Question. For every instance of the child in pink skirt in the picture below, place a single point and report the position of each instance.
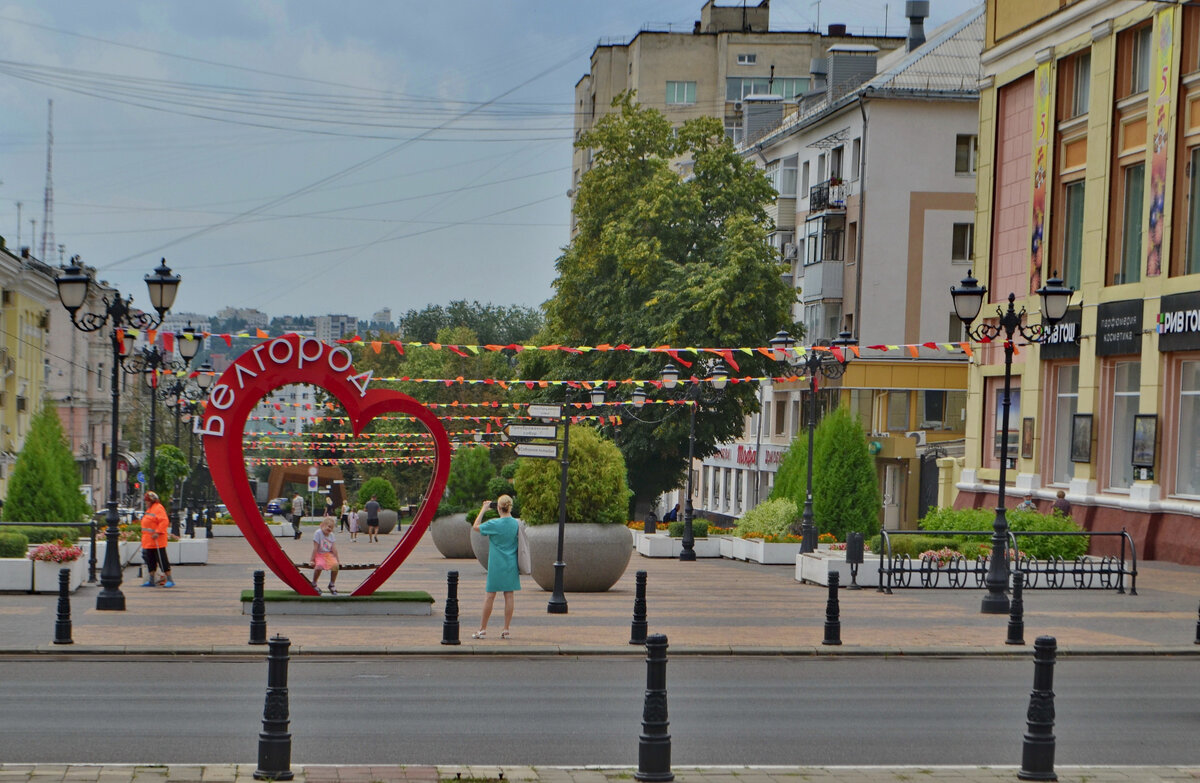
(325, 554)
(354, 523)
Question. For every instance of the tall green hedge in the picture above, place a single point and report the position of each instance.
(45, 481)
(1043, 548)
(467, 486)
(597, 489)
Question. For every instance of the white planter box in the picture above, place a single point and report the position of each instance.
(758, 551)
(192, 551)
(45, 575)
(815, 567)
(224, 531)
(662, 545)
(128, 551)
(16, 573)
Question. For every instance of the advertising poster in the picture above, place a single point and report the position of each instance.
(1160, 110)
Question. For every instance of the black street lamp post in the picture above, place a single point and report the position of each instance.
(73, 287)
(816, 364)
(153, 362)
(968, 299)
(695, 394)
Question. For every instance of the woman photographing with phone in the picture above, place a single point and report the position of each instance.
(502, 575)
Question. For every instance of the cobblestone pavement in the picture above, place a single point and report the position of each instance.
(239, 773)
(708, 606)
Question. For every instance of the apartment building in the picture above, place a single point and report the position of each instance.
(730, 54)
(875, 173)
(1089, 146)
(335, 327)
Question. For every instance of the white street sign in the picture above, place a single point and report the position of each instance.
(545, 411)
(547, 450)
(312, 471)
(312, 483)
(532, 431)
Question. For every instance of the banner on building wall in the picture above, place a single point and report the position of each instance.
(1041, 162)
(1160, 91)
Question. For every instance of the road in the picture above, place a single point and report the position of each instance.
(572, 711)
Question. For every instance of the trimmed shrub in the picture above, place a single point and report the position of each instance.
(597, 488)
(773, 517)
(385, 493)
(1043, 548)
(13, 545)
(44, 535)
(699, 528)
(44, 486)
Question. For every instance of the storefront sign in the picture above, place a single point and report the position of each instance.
(1119, 328)
(1061, 341)
(746, 456)
(1179, 322)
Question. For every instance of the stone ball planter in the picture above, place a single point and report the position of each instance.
(596, 555)
(479, 546)
(452, 536)
(388, 519)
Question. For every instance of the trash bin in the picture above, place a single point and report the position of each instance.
(854, 548)
(651, 524)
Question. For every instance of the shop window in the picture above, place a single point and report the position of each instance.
(1066, 405)
(897, 411)
(1126, 386)
(1014, 417)
(1187, 458)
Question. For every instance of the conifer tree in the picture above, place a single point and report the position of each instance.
(45, 481)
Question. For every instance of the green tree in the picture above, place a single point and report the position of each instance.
(660, 259)
(45, 481)
(846, 493)
(170, 468)
(381, 488)
(492, 324)
(467, 486)
(597, 489)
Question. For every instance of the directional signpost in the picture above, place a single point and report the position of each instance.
(531, 431)
(545, 411)
(544, 450)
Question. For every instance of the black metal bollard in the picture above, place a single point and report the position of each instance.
(833, 623)
(208, 522)
(1037, 752)
(190, 529)
(62, 625)
(1016, 616)
(174, 518)
(654, 746)
(274, 741)
(637, 631)
(450, 621)
(258, 612)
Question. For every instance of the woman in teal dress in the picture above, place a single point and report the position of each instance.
(502, 575)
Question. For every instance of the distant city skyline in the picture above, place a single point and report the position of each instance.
(302, 158)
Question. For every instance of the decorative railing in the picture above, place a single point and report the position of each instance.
(830, 194)
(1107, 572)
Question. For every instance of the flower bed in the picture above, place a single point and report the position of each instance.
(49, 559)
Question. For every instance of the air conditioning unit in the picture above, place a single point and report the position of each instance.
(917, 435)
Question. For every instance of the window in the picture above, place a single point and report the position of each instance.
(1072, 240)
(783, 176)
(964, 153)
(855, 157)
(1082, 85)
(835, 162)
(1131, 225)
(747, 59)
(1187, 481)
(963, 242)
(780, 413)
(1066, 405)
(1192, 259)
(957, 332)
(1139, 74)
(1014, 419)
(100, 376)
(897, 410)
(738, 87)
(1126, 385)
(681, 93)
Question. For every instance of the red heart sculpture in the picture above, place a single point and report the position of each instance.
(295, 359)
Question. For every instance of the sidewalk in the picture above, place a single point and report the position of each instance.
(704, 607)
(243, 773)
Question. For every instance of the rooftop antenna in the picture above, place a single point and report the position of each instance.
(18, 226)
(818, 5)
(48, 199)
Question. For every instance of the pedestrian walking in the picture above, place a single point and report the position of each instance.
(1061, 504)
(297, 512)
(154, 542)
(353, 524)
(325, 554)
(345, 518)
(372, 509)
(502, 573)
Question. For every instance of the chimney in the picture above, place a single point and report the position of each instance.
(837, 30)
(763, 114)
(916, 11)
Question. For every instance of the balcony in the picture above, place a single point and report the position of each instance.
(783, 212)
(829, 195)
(822, 281)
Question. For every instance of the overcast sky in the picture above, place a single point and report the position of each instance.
(313, 156)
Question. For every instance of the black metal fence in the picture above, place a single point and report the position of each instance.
(1108, 572)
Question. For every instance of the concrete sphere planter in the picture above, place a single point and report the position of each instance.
(387, 521)
(595, 555)
(479, 546)
(452, 536)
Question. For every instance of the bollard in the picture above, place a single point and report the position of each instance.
(637, 631)
(854, 557)
(1037, 752)
(190, 529)
(450, 621)
(274, 741)
(654, 746)
(208, 522)
(62, 626)
(833, 624)
(1016, 617)
(175, 523)
(258, 612)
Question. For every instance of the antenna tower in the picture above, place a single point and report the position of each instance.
(48, 201)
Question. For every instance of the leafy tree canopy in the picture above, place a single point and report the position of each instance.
(381, 488)
(170, 467)
(492, 324)
(44, 486)
(660, 259)
(467, 486)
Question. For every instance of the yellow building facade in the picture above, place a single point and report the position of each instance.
(1089, 167)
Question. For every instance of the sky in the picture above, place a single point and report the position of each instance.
(308, 157)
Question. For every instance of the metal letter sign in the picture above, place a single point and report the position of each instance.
(544, 450)
(532, 430)
(545, 411)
